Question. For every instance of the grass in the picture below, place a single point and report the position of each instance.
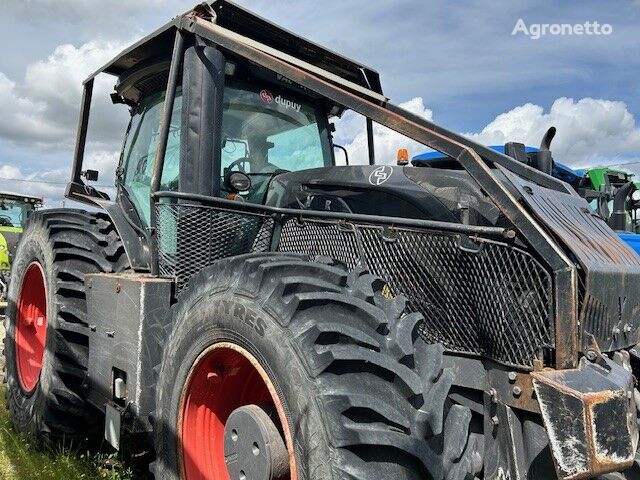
(21, 460)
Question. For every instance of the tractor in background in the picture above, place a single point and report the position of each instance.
(15, 210)
(610, 191)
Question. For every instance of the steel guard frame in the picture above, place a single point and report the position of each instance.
(472, 156)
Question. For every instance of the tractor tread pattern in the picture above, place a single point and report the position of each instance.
(364, 338)
(82, 243)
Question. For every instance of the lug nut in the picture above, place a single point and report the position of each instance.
(592, 356)
(512, 377)
(517, 391)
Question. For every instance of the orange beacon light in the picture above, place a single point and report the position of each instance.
(403, 156)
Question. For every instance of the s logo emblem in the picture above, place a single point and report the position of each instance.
(380, 175)
(266, 96)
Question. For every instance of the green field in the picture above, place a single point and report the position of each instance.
(20, 460)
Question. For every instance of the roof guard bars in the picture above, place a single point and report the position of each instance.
(471, 156)
(201, 26)
(81, 136)
(165, 123)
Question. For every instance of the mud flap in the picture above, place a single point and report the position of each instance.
(590, 416)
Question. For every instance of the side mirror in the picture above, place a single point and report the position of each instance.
(91, 175)
(238, 182)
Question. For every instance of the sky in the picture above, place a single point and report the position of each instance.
(463, 64)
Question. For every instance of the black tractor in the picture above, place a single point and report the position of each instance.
(253, 311)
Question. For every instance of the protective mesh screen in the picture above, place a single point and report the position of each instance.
(480, 297)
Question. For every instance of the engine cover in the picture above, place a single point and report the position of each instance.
(406, 192)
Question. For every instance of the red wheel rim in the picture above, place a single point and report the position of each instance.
(31, 326)
(223, 378)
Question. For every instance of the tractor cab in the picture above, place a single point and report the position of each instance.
(15, 210)
(258, 123)
(267, 128)
(612, 193)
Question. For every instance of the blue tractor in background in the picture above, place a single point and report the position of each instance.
(611, 192)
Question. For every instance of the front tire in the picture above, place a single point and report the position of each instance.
(358, 394)
(46, 344)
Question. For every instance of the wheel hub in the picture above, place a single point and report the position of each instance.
(221, 395)
(31, 326)
(253, 446)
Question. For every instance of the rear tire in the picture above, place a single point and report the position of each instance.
(363, 396)
(66, 245)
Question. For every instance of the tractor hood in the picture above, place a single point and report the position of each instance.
(409, 192)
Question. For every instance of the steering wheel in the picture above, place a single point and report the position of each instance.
(5, 221)
(240, 163)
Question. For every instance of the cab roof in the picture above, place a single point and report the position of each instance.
(233, 17)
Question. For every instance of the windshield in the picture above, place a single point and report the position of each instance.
(266, 131)
(271, 129)
(13, 213)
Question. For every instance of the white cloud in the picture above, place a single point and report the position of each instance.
(40, 116)
(42, 110)
(590, 131)
(351, 130)
(9, 172)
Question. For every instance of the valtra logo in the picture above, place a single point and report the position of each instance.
(266, 96)
(380, 175)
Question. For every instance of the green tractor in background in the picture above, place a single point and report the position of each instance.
(15, 209)
(610, 191)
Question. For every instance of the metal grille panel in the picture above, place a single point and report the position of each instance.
(484, 298)
(192, 237)
(479, 297)
(609, 268)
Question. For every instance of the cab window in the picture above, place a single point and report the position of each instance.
(140, 151)
(265, 131)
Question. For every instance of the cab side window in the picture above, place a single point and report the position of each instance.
(140, 151)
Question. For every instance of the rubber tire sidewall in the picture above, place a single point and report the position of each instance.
(27, 409)
(229, 318)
